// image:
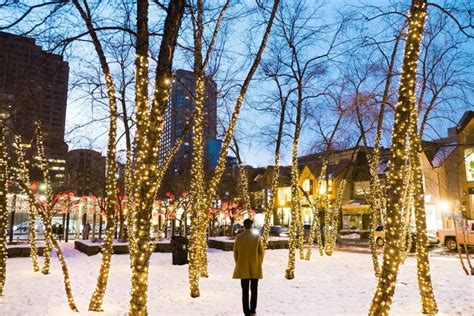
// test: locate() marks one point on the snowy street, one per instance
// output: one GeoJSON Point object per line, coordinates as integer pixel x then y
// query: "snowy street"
{"type": "Point", "coordinates": [339, 285]}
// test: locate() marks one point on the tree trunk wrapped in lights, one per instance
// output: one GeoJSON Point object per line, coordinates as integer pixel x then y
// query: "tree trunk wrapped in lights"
{"type": "Point", "coordinates": [276, 168]}
{"type": "Point", "coordinates": [333, 223]}
{"type": "Point", "coordinates": [270, 208]}
{"type": "Point", "coordinates": [376, 204]}
{"type": "Point", "coordinates": [376, 198]}
{"type": "Point", "coordinates": [48, 245]}
{"type": "Point", "coordinates": [3, 209]}
{"type": "Point", "coordinates": [32, 236]}
{"type": "Point", "coordinates": [48, 215]}
{"type": "Point", "coordinates": [406, 211]}
{"type": "Point", "coordinates": [198, 196]}
{"type": "Point", "coordinates": [110, 200]}
{"type": "Point", "coordinates": [300, 231]}
{"type": "Point", "coordinates": [44, 210]}
{"type": "Point", "coordinates": [243, 186]}
{"type": "Point", "coordinates": [326, 206]}
{"type": "Point", "coordinates": [244, 190]}
{"type": "Point", "coordinates": [406, 100]}
{"type": "Point", "coordinates": [197, 247]}
{"type": "Point", "coordinates": [316, 224]}
{"type": "Point", "coordinates": [425, 287]}
{"type": "Point", "coordinates": [148, 143]}
{"type": "Point", "coordinates": [200, 223]}
{"type": "Point", "coordinates": [295, 197]}
{"type": "Point", "coordinates": [459, 250]}
{"type": "Point", "coordinates": [48, 212]}
{"type": "Point", "coordinates": [271, 202]}
{"type": "Point", "coordinates": [149, 130]}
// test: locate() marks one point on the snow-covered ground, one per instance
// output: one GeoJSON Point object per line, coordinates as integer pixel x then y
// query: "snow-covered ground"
{"type": "Point", "coordinates": [339, 285]}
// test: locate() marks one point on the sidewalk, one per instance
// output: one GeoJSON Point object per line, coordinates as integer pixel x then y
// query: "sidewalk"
{"type": "Point", "coordinates": [362, 246]}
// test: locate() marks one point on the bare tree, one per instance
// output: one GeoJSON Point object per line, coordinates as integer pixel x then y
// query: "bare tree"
{"type": "Point", "coordinates": [298, 27]}
{"type": "Point", "coordinates": [403, 129]}
{"type": "Point", "coordinates": [202, 200]}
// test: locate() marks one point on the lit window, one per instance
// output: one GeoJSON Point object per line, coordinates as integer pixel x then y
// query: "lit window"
{"type": "Point", "coordinates": [307, 185]}
{"type": "Point", "coordinates": [469, 161]}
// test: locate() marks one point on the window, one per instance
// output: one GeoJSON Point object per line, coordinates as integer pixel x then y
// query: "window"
{"type": "Point", "coordinates": [361, 188]}
{"type": "Point", "coordinates": [322, 186]}
{"type": "Point", "coordinates": [307, 185]}
{"type": "Point", "coordinates": [179, 100]}
{"type": "Point", "coordinates": [469, 161]}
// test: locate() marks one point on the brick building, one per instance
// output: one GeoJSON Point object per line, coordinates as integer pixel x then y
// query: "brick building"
{"type": "Point", "coordinates": [86, 172]}
{"type": "Point", "coordinates": [36, 83]}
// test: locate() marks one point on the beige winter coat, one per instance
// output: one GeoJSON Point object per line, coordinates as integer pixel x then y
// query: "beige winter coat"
{"type": "Point", "coordinates": [248, 256]}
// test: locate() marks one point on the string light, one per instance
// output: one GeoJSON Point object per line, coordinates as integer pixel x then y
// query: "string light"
{"type": "Point", "coordinates": [300, 231]}
{"type": "Point", "coordinates": [405, 115]}
{"type": "Point", "coordinates": [425, 287]}
{"type": "Point", "coordinates": [332, 223]}
{"type": "Point", "coordinates": [406, 210]}
{"type": "Point", "coordinates": [44, 210]}
{"type": "Point", "coordinates": [32, 236]}
{"type": "Point", "coordinates": [295, 197]}
{"type": "Point", "coordinates": [197, 248]}
{"type": "Point", "coordinates": [377, 201]}
{"type": "Point", "coordinates": [244, 191]}
{"type": "Point", "coordinates": [271, 202]}
{"type": "Point", "coordinates": [3, 209]}
{"type": "Point", "coordinates": [316, 225]}
{"type": "Point", "coordinates": [40, 157]}
{"type": "Point", "coordinates": [147, 179]}
{"type": "Point", "coordinates": [97, 298]}
{"type": "Point", "coordinates": [202, 203]}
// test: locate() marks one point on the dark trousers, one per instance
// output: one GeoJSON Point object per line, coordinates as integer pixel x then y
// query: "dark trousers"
{"type": "Point", "coordinates": [245, 295]}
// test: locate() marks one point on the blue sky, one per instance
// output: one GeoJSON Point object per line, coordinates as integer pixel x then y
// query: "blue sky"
{"type": "Point", "coordinates": [256, 149]}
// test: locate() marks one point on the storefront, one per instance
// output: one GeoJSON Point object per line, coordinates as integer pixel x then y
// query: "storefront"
{"type": "Point", "coordinates": [355, 215]}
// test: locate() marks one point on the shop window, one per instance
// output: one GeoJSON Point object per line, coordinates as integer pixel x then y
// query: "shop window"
{"type": "Point", "coordinates": [361, 188]}
{"type": "Point", "coordinates": [469, 161]}
{"type": "Point", "coordinates": [307, 186]}
{"type": "Point", "coordinates": [325, 186]}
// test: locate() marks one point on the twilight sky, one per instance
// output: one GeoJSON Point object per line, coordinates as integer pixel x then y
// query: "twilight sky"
{"type": "Point", "coordinates": [242, 39]}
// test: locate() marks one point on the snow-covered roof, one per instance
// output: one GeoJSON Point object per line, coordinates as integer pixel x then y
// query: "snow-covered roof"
{"type": "Point", "coordinates": [442, 154]}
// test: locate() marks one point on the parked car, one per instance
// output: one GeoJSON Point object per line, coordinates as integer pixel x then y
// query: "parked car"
{"type": "Point", "coordinates": [278, 231]}
{"type": "Point", "coordinates": [224, 230]}
{"type": "Point", "coordinates": [23, 227]}
{"type": "Point", "coordinates": [451, 238]}
{"type": "Point", "coordinates": [380, 237]}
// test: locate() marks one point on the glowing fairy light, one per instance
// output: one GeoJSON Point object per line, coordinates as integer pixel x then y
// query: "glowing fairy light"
{"type": "Point", "coordinates": [405, 121]}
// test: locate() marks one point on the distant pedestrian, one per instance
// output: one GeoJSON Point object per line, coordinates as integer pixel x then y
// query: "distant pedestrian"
{"type": "Point", "coordinates": [248, 256]}
{"type": "Point", "coordinates": [60, 231]}
{"type": "Point", "coordinates": [55, 230]}
{"type": "Point", "coordinates": [85, 230]}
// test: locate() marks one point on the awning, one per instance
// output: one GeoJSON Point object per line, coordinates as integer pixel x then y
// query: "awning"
{"type": "Point", "coordinates": [355, 207]}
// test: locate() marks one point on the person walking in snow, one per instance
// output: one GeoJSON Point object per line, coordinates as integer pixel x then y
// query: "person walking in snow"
{"type": "Point", "coordinates": [248, 256]}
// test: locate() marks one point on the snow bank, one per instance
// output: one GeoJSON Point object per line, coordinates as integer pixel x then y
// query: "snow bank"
{"type": "Point", "coordinates": [339, 285]}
